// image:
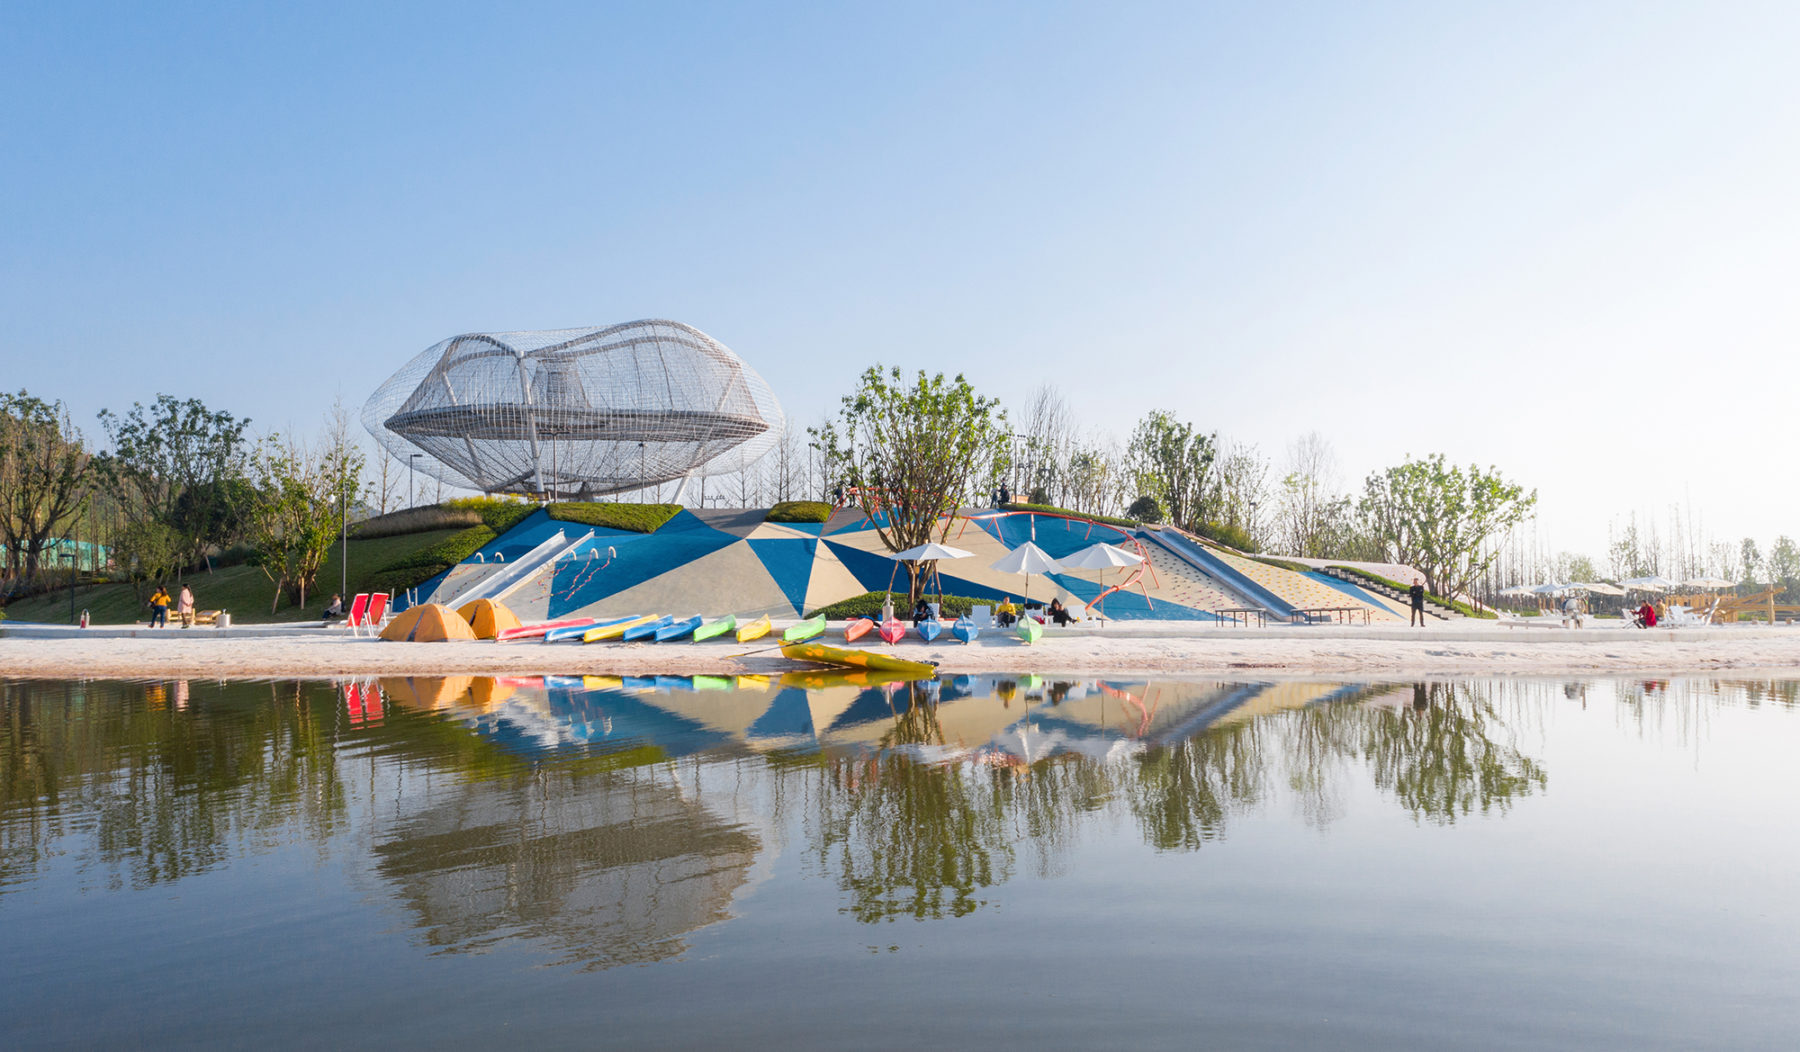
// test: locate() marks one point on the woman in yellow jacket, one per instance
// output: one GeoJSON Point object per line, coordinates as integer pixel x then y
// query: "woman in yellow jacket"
{"type": "Point", "coordinates": [159, 607]}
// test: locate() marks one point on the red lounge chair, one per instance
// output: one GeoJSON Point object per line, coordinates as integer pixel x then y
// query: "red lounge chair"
{"type": "Point", "coordinates": [357, 607]}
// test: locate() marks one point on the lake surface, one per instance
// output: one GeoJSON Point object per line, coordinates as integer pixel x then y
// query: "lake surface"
{"type": "Point", "coordinates": [822, 861]}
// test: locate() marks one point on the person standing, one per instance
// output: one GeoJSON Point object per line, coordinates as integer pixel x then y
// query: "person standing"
{"type": "Point", "coordinates": [1571, 612]}
{"type": "Point", "coordinates": [159, 607]}
{"type": "Point", "coordinates": [184, 607]}
{"type": "Point", "coordinates": [1417, 594]}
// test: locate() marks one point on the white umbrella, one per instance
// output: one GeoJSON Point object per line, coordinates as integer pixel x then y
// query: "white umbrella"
{"type": "Point", "coordinates": [1518, 589]}
{"type": "Point", "coordinates": [1708, 583]}
{"type": "Point", "coordinates": [1027, 559]}
{"type": "Point", "coordinates": [1652, 583]}
{"type": "Point", "coordinates": [922, 553]}
{"type": "Point", "coordinates": [1102, 557]}
{"type": "Point", "coordinates": [1600, 588]}
{"type": "Point", "coordinates": [1551, 588]}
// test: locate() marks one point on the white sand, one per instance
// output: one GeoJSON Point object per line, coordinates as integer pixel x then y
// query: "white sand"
{"type": "Point", "coordinates": [1120, 648]}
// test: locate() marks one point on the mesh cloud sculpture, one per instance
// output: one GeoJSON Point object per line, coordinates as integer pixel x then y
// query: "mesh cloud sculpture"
{"type": "Point", "coordinates": [576, 412]}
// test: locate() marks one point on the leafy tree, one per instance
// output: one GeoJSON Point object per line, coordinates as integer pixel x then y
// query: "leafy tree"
{"type": "Point", "coordinates": [45, 478]}
{"type": "Point", "coordinates": [1440, 518]}
{"type": "Point", "coordinates": [1145, 509]}
{"type": "Point", "coordinates": [912, 451]}
{"type": "Point", "coordinates": [148, 551]}
{"type": "Point", "coordinates": [302, 496]}
{"type": "Point", "coordinates": [1783, 566]}
{"type": "Point", "coordinates": [173, 463]}
{"type": "Point", "coordinates": [1753, 560]}
{"type": "Point", "coordinates": [1172, 462]}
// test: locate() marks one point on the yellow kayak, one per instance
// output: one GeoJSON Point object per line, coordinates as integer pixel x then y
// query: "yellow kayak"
{"type": "Point", "coordinates": [755, 629]}
{"type": "Point", "coordinates": [825, 653]}
{"type": "Point", "coordinates": [595, 635]}
{"type": "Point", "coordinates": [825, 679]}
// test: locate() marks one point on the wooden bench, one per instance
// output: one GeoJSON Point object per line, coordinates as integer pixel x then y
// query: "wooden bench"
{"type": "Point", "coordinates": [1342, 614]}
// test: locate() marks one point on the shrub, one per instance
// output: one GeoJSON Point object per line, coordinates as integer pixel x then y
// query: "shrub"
{"type": "Point", "coordinates": [1227, 534]}
{"type": "Point", "coordinates": [636, 518]}
{"type": "Point", "coordinates": [869, 605]}
{"type": "Point", "coordinates": [1145, 509]}
{"type": "Point", "coordinates": [497, 513]}
{"type": "Point", "coordinates": [1051, 509]}
{"type": "Point", "coordinates": [415, 520]}
{"type": "Point", "coordinates": [799, 511]}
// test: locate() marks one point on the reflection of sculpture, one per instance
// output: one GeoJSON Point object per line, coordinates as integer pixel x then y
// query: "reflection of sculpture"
{"type": "Point", "coordinates": [578, 412]}
{"type": "Point", "coordinates": [614, 869]}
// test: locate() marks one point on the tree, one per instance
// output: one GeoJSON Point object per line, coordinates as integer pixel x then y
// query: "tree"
{"type": "Point", "coordinates": [1783, 566]}
{"type": "Point", "coordinates": [1044, 452]}
{"type": "Point", "coordinates": [174, 463]}
{"type": "Point", "coordinates": [1311, 517]}
{"type": "Point", "coordinates": [1170, 461]}
{"type": "Point", "coordinates": [912, 451]}
{"type": "Point", "coordinates": [45, 478]}
{"type": "Point", "coordinates": [302, 496]}
{"type": "Point", "coordinates": [1243, 486]}
{"type": "Point", "coordinates": [1440, 518]}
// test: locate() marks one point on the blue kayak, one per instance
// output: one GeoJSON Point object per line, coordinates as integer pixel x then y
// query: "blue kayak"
{"type": "Point", "coordinates": [647, 630]}
{"type": "Point", "coordinates": [677, 630]}
{"type": "Point", "coordinates": [965, 630]}
{"type": "Point", "coordinates": [930, 629]}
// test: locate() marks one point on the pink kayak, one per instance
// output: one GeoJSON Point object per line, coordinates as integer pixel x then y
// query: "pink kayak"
{"type": "Point", "coordinates": [537, 631]}
{"type": "Point", "coordinates": [893, 630]}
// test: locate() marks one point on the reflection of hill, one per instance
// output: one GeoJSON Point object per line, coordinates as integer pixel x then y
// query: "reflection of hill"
{"type": "Point", "coordinates": [613, 870]}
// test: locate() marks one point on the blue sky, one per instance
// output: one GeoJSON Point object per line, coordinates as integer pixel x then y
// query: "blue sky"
{"type": "Point", "coordinates": [1518, 234]}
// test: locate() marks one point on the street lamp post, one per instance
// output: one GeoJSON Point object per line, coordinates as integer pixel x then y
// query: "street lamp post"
{"type": "Point", "coordinates": [344, 521]}
{"type": "Point", "coordinates": [412, 491]}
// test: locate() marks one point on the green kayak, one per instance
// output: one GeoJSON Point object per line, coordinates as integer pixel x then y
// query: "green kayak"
{"type": "Point", "coordinates": [804, 630]}
{"type": "Point", "coordinates": [713, 628]}
{"type": "Point", "coordinates": [1030, 631]}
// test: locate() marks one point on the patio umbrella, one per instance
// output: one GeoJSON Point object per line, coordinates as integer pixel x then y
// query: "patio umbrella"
{"type": "Point", "coordinates": [1652, 583]}
{"type": "Point", "coordinates": [1600, 588]}
{"type": "Point", "coordinates": [925, 553]}
{"type": "Point", "coordinates": [1102, 557]}
{"type": "Point", "coordinates": [1027, 559]}
{"type": "Point", "coordinates": [1518, 589]}
{"type": "Point", "coordinates": [1707, 584]}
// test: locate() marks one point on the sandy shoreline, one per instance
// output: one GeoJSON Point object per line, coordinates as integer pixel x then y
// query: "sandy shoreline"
{"type": "Point", "coordinates": [1285, 651]}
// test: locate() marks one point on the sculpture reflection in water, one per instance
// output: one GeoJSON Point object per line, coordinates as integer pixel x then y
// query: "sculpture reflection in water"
{"type": "Point", "coordinates": [609, 819]}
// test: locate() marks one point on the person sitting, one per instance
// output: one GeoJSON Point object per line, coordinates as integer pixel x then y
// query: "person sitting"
{"type": "Point", "coordinates": [921, 613]}
{"type": "Point", "coordinates": [1060, 613]}
{"type": "Point", "coordinates": [1006, 612]}
{"type": "Point", "coordinates": [334, 609]}
{"type": "Point", "coordinates": [1646, 615]}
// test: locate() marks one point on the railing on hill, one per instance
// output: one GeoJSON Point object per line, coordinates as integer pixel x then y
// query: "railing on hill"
{"type": "Point", "coordinates": [1432, 606]}
{"type": "Point", "coordinates": [1190, 550]}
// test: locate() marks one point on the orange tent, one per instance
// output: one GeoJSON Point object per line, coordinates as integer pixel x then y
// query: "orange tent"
{"type": "Point", "coordinates": [488, 617]}
{"type": "Point", "coordinates": [428, 623]}
{"type": "Point", "coordinates": [426, 692]}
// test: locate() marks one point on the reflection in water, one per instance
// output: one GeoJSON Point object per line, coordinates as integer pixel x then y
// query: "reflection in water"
{"type": "Point", "coordinates": [605, 820]}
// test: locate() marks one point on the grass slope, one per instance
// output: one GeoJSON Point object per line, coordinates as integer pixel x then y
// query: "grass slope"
{"type": "Point", "coordinates": [243, 590]}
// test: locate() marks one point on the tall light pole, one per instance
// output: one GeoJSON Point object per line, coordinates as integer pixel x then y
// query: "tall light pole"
{"type": "Point", "coordinates": [344, 520]}
{"type": "Point", "coordinates": [412, 491]}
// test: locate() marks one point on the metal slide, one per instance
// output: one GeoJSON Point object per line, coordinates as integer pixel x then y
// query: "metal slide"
{"type": "Point", "coordinates": [520, 571]}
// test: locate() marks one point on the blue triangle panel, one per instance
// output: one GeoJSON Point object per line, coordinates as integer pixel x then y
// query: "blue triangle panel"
{"type": "Point", "coordinates": [790, 561]}
{"type": "Point", "coordinates": [789, 716]}
{"type": "Point", "coordinates": [870, 570]}
{"type": "Point", "coordinates": [638, 558]}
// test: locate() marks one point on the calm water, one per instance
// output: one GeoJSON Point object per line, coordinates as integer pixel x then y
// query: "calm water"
{"type": "Point", "coordinates": [999, 861]}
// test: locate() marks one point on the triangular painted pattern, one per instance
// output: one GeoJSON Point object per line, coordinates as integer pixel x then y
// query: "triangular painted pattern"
{"type": "Point", "coordinates": [790, 563]}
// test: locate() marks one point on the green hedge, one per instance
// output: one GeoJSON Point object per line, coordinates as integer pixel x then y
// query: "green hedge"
{"type": "Point", "coordinates": [497, 513]}
{"type": "Point", "coordinates": [869, 605]}
{"type": "Point", "coordinates": [1460, 607]}
{"type": "Point", "coordinates": [799, 511]}
{"type": "Point", "coordinates": [635, 518]}
{"type": "Point", "coordinates": [1230, 536]}
{"type": "Point", "coordinates": [1052, 509]}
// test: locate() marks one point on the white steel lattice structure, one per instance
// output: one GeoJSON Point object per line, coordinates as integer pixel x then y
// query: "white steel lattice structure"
{"type": "Point", "coordinates": [576, 412]}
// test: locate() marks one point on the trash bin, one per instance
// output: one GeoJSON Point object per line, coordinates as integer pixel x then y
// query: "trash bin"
{"type": "Point", "coordinates": [224, 619]}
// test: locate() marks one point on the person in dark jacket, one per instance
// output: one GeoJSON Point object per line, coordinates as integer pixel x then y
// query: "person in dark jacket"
{"type": "Point", "coordinates": [1417, 593]}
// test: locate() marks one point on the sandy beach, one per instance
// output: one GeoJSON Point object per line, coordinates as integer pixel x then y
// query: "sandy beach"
{"type": "Point", "coordinates": [1140, 647]}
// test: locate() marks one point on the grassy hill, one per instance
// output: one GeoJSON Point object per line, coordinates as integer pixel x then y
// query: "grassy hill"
{"type": "Point", "coordinates": [243, 590]}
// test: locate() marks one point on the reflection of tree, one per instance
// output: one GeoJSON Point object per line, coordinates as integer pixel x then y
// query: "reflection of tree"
{"type": "Point", "coordinates": [170, 792]}
{"type": "Point", "coordinates": [913, 839]}
{"type": "Point", "coordinates": [1445, 752]}
{"type": "Point", "coordinates": [1182, 793]}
